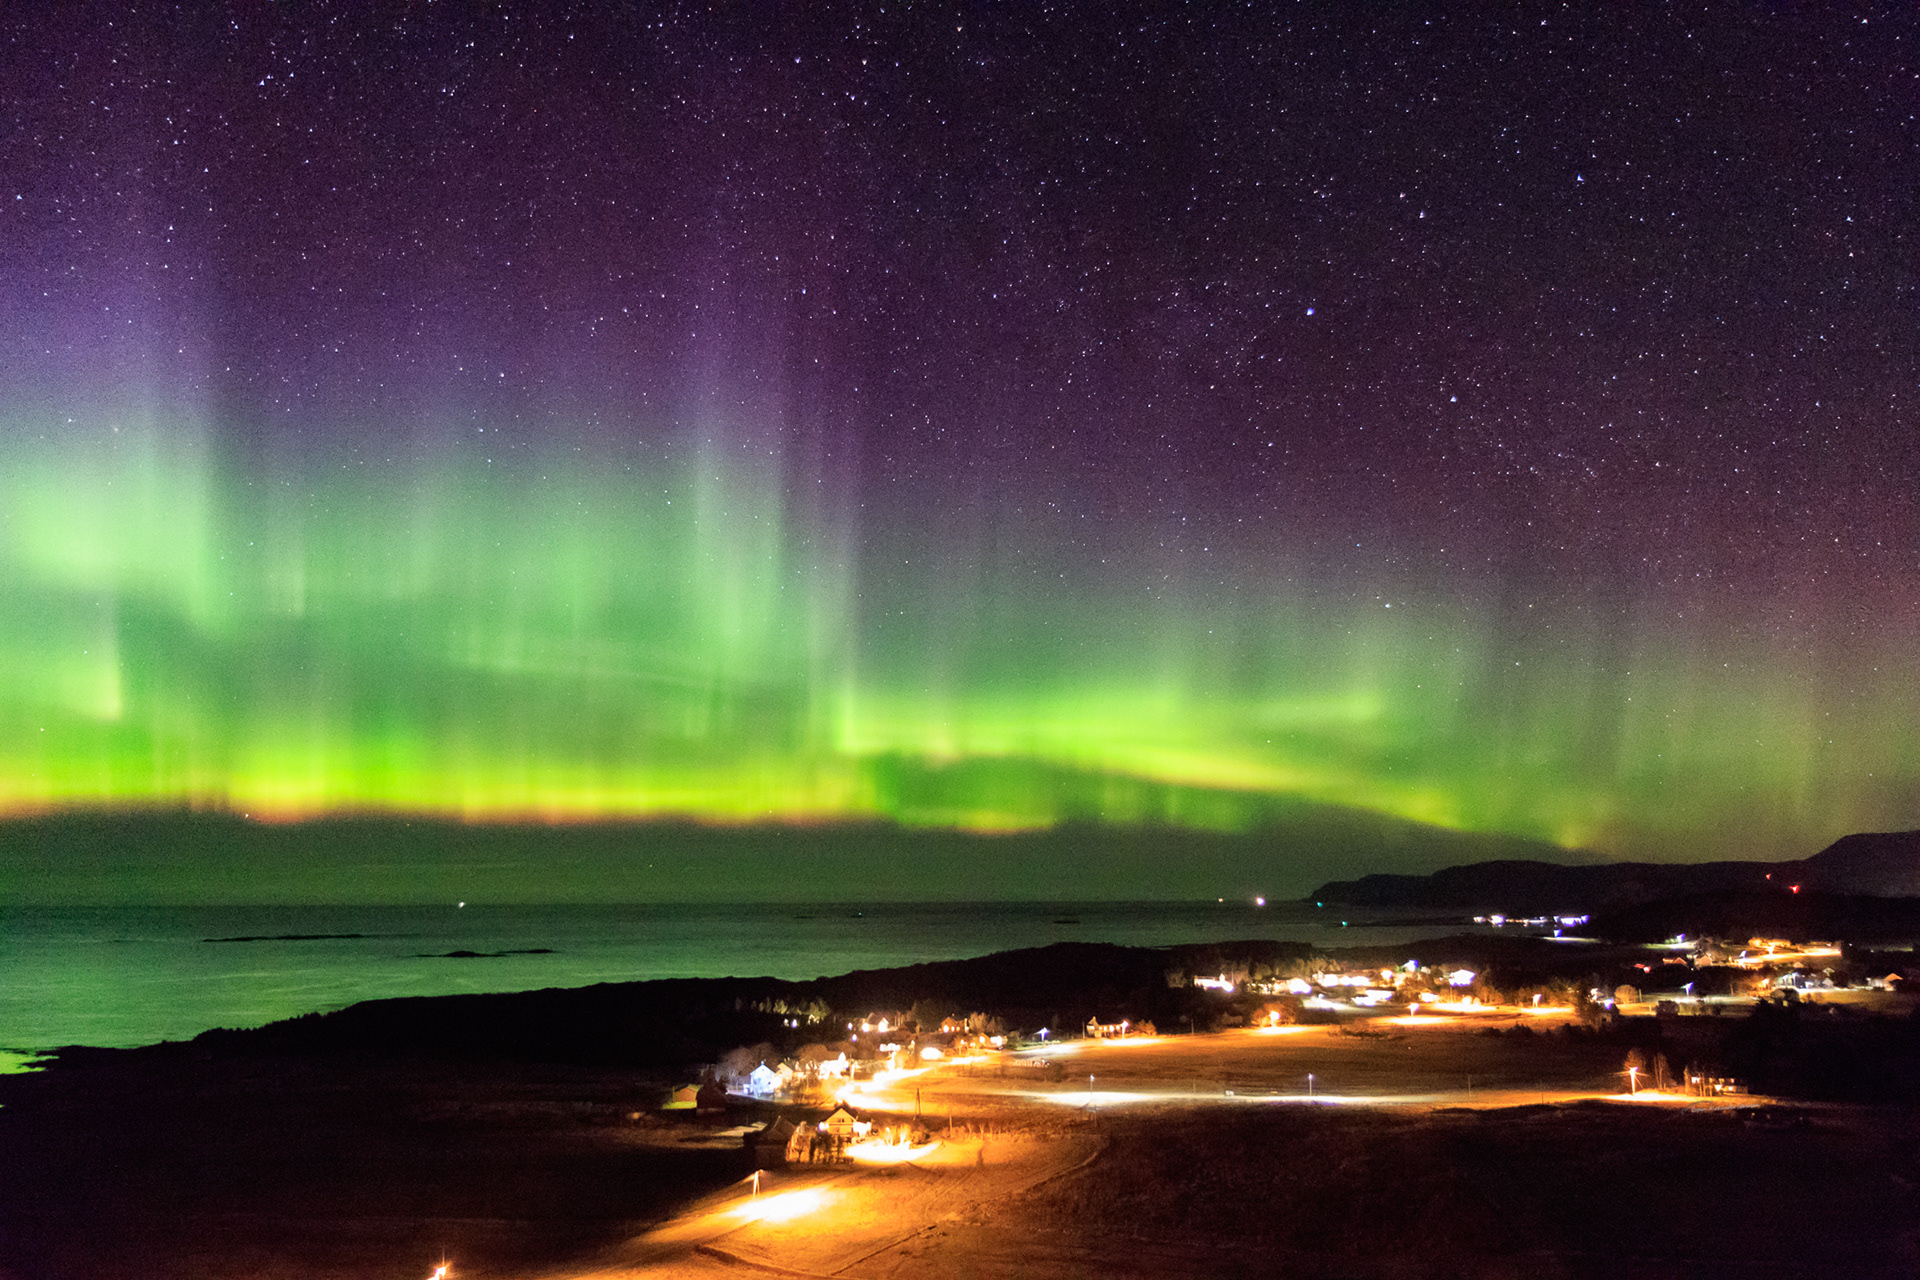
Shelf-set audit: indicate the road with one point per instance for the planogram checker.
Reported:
(876, 1220)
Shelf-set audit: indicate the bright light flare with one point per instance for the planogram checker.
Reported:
(1104, 1097)
(1082, 1098)
(1466, 1006)
(786, 1206)
(883, 1153)
(894, 1075)
(1129, 1042)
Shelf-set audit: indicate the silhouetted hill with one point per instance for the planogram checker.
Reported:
(1882, 865)
(1534, 888)
(1885, 864)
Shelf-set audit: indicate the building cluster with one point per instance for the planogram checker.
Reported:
(830, 1136)
(1558, 923)
(1365, 987)
(1705, 970)
(876, 1043)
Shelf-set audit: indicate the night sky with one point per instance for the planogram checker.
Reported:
(967, 416)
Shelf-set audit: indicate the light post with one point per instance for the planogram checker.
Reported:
(1309, 1084)
(1633, 1081)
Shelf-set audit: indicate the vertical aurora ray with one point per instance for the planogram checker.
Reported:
(438, 637)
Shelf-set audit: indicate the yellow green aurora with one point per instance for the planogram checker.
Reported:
(556, 642)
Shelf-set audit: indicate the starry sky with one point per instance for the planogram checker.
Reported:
(979, 417)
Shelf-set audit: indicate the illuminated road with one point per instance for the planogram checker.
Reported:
(822, 1222)
(868, 1219)
(1443, 1060)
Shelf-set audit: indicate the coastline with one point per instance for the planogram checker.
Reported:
(124, 977)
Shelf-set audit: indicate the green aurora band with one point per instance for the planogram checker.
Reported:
(569, 639)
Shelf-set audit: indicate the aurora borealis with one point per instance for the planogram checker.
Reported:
(968, 417)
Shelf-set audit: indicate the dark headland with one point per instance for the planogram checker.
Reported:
(1870, 864)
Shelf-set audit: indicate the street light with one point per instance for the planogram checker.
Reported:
(1633, 1081)
(1309, 1084)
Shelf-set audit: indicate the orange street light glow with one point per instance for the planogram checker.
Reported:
(786, 1206)
(888, 1152)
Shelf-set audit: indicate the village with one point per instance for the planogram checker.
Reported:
(863, 1145)
(842, 1097)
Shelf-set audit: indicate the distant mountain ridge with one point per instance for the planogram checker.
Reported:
(1876, 864)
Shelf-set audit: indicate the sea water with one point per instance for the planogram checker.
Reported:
(125, 976)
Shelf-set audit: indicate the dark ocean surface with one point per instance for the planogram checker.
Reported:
(124, 976)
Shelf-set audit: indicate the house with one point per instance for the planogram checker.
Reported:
(684, 1098)
(1707, 1086)
(710, 1098)
(763, 1081)
(826, 1141)
(840, 1125)
(1098, 1030)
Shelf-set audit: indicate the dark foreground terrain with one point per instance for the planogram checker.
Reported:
(1585, 1190)
(520, 1136)
(237, 1169)
(196, 1166)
